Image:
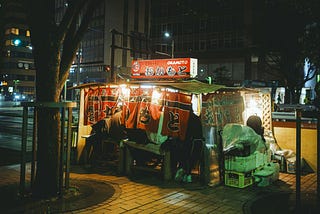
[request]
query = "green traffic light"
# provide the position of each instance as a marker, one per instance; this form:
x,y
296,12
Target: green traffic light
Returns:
x,y
17,42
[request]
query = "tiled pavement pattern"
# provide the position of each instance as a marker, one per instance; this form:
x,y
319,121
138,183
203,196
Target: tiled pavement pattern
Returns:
x,y
147,193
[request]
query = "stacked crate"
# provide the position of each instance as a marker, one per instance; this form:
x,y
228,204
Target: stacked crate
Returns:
x,y
239,170
238,179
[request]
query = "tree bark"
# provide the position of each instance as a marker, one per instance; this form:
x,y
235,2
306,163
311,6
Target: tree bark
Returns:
x,y
48,156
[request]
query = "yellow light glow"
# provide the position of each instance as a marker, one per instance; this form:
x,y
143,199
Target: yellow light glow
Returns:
x,y
156,95
252,108
125,91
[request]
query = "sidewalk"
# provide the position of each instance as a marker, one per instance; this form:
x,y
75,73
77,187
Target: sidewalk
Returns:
x,y
147,193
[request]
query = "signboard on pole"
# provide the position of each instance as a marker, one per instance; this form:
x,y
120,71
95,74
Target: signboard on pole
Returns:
x,y
179,68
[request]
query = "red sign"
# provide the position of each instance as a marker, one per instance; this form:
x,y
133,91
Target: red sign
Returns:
x,y
164,68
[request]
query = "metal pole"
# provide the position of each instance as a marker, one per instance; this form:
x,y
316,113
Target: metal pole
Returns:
x,y
112,54
61,151
172,48
65,91
79,63
23,151
318,155
298,158
67,170
34,145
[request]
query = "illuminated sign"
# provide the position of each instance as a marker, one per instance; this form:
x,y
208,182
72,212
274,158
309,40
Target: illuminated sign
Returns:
x,y
164,68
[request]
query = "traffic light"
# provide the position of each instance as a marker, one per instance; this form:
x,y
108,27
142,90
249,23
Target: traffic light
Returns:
x,y
17,42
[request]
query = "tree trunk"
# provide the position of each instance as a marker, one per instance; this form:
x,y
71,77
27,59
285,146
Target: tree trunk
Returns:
x,y
54,48
48,135
47,174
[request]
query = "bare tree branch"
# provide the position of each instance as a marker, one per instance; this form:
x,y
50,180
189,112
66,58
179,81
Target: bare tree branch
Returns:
x,y
73,8
70,48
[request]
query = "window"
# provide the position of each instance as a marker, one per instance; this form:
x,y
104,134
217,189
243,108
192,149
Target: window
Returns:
x,y
14,31
28,33
202,45
8,42
227,39
214,41
203,25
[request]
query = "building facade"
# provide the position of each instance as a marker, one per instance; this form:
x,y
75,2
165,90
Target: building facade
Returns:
x,y
17,70
217,33
220,34
93,61
105,51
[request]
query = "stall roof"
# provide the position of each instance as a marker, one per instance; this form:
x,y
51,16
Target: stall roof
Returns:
x,y
191,86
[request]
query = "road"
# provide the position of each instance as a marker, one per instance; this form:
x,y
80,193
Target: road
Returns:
x,y
11,125
11,128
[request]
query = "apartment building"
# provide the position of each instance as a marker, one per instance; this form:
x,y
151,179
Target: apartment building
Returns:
x,y
17,70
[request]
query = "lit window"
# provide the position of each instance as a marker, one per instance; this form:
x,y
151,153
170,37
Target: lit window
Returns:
x,y
8,42
27,33
15,31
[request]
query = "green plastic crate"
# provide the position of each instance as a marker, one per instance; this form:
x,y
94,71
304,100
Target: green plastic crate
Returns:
x,y
238,179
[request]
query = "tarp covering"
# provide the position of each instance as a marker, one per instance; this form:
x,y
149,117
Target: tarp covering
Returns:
x,y
237,138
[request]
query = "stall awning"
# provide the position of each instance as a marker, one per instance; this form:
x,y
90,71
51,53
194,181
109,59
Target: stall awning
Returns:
x,y
190,86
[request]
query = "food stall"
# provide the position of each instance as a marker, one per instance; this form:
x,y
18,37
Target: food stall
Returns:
x,y
158,101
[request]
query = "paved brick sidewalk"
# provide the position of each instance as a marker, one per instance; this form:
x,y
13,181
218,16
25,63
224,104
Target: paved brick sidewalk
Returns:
x,y
147,193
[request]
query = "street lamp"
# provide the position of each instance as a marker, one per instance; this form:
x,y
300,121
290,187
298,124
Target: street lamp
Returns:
x,y
168,35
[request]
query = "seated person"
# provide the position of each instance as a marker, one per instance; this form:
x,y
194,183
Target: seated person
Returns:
x,y
255,123
244,140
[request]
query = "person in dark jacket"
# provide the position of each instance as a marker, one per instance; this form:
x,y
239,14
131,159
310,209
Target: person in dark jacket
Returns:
x,y
190,149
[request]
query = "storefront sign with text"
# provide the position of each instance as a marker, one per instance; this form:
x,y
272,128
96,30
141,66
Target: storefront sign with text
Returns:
x,y
164,68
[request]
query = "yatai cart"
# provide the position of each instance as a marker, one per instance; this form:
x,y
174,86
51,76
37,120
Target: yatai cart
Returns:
x,y
160,108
